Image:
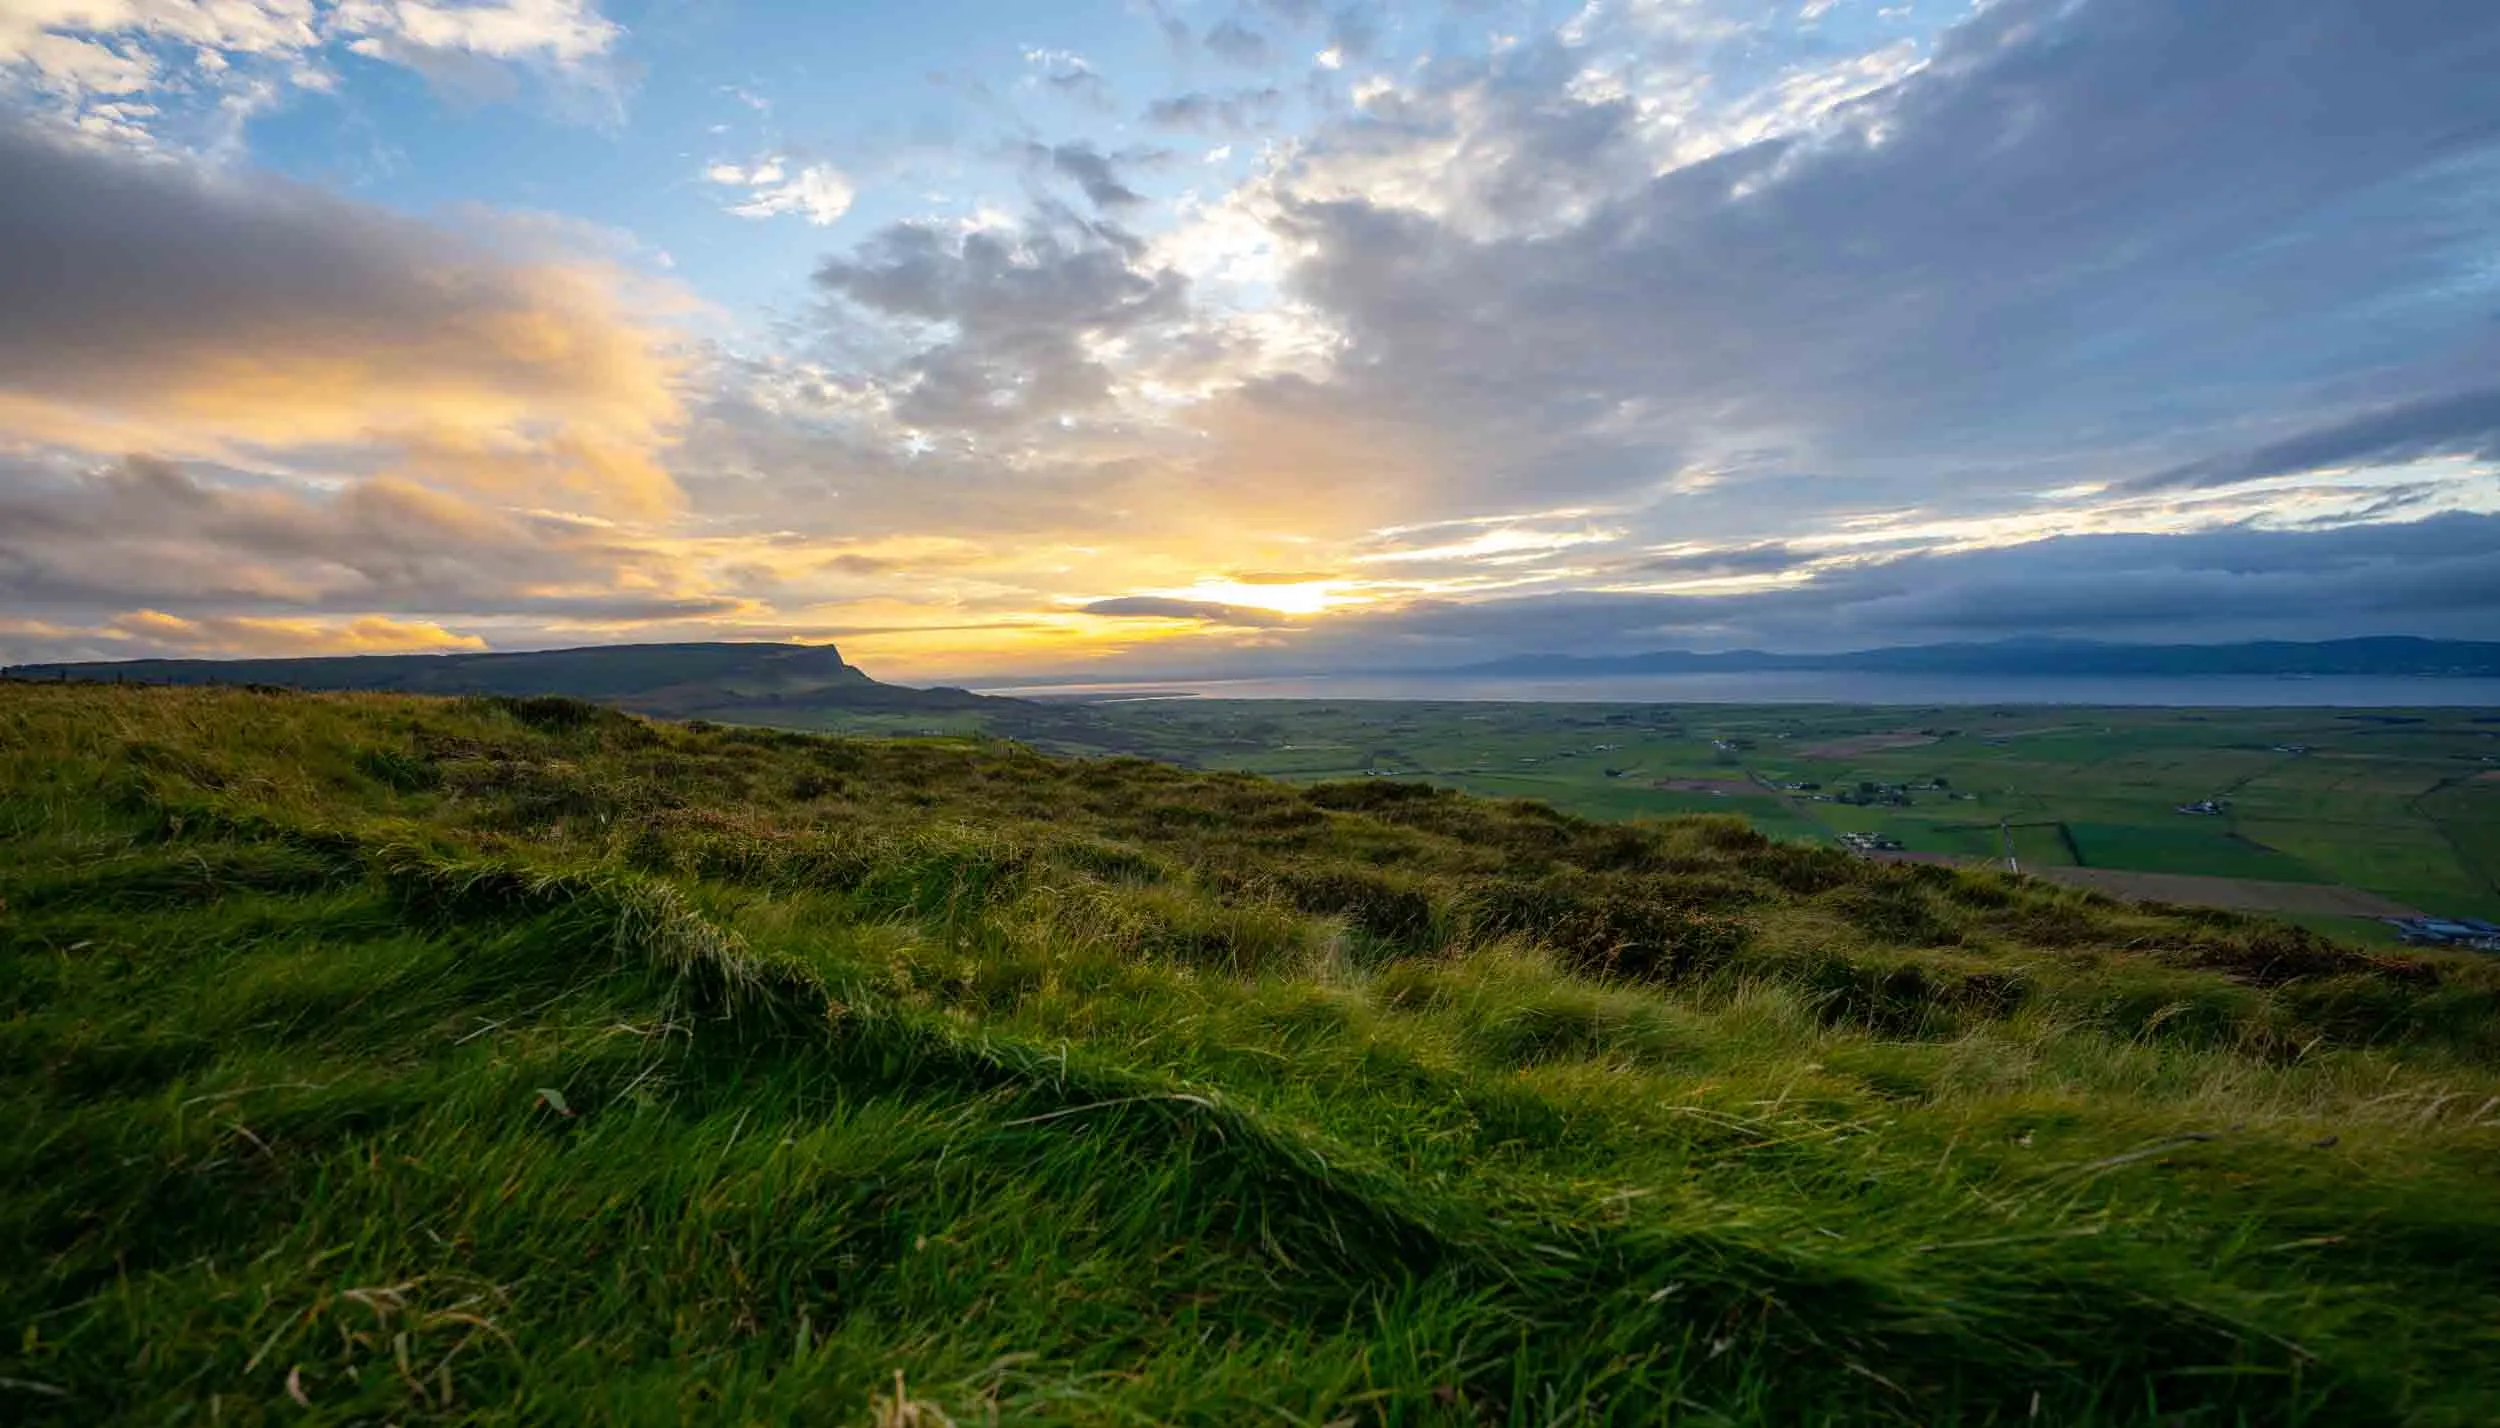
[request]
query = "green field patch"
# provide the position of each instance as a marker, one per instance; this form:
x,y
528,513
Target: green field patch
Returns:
x,y
1959,839
2410,862
2043,845
2161,848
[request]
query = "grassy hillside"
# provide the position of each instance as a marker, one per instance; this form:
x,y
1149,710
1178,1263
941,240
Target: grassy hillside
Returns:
x,y
371,1058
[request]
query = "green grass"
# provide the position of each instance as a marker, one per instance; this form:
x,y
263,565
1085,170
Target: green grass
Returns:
x,y
383,1059
2204,845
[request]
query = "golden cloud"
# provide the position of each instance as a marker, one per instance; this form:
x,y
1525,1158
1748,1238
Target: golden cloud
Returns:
x,y
149,306
257,635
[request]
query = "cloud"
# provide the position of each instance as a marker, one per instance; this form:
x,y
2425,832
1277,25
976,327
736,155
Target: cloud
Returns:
x,y
1090,170
1237,43
2076,236
820,193
1069,75
2437,577
1290,12
1225,112
211,64
557,32
1203,611
1353,32
1015,313
242,635
76,542
146,305
1762,558
300,423
2459,424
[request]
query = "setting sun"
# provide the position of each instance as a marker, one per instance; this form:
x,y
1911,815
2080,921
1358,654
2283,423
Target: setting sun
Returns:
x,y
1309,597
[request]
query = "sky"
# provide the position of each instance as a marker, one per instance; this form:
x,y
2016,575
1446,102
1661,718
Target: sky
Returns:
x,y
1138,337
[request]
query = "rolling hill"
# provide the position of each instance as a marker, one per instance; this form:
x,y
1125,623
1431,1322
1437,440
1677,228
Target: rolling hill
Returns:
x,y
512,1059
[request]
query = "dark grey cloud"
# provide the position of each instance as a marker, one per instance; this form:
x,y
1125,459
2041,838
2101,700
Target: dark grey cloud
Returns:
x,y
2436,577
104,259
1012,311
1091,170
1224,112
1354,31
1178,37
1205,611
1073,78
2458,424
1763,558
2084,235
855,564
1291,12
1229,39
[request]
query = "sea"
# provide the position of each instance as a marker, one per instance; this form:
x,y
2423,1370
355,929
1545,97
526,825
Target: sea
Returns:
x,y
1820,687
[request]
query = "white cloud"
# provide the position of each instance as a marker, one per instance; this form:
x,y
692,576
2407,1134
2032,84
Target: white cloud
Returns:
x,y
209,65
763,171
559,32
819,193
70,65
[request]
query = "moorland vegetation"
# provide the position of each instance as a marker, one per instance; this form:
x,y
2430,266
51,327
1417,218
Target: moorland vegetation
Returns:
x,y
379,1058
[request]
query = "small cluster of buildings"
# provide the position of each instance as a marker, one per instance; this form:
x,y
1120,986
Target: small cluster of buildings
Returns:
x,y
2207,807
1871,842
2470,933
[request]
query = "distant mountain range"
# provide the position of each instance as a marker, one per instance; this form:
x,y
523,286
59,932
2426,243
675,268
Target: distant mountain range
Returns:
x,y
2393,655
717,680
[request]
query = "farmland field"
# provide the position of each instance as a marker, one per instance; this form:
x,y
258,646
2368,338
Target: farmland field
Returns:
x,y
2398,804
